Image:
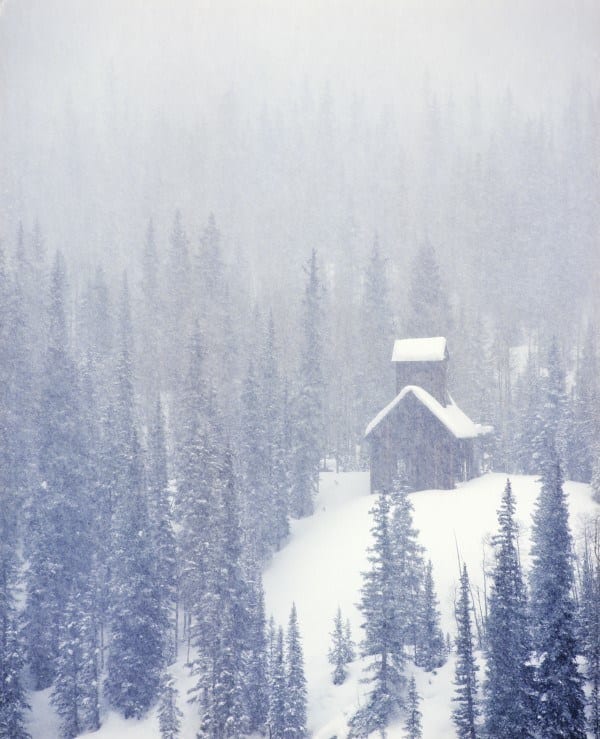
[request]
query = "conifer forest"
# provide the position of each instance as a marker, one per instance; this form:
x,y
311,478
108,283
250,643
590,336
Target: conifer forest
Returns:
x,y
215,220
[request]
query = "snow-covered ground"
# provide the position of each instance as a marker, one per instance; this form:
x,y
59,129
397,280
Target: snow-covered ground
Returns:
x,y
320,568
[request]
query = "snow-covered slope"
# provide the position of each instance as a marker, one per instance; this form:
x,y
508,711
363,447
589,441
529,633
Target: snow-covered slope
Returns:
x,y
320,569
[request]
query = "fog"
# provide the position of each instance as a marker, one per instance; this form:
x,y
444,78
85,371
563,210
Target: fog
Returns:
x,y
109,109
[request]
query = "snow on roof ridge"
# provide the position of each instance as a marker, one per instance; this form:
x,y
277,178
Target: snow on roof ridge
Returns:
x,y
426,349
451,416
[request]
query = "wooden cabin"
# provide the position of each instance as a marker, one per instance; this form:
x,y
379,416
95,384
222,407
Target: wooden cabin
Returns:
x,y
422,437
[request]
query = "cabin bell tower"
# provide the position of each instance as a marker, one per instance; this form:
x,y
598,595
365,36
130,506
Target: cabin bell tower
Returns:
x,y
423,362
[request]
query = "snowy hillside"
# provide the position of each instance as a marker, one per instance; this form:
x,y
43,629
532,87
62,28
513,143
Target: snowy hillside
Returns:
x,y
320,569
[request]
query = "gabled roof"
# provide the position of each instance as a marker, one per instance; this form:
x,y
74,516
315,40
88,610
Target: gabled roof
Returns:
x,y
451,416
432,349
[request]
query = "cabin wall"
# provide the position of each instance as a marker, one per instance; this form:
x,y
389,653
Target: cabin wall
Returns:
x,y
384,459
413,442
431,376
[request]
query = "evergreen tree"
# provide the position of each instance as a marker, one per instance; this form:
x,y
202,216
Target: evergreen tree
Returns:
x,y
255,464
586,410
549,420
560,697
221,629
277,689
295,683
97,372
590,626
528,400
274,404
384,628
413,724
349,646
197,470
376,378
169,713
59,544
466,712
308,410
178,276
137,616
509,709
341,651
13,703
152,333
407,563
431,647
212,267
429,309
89,671
65,694
75,690
595,481
255,677
165,554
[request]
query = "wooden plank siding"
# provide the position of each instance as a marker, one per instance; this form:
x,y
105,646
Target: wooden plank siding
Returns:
x,y
413,444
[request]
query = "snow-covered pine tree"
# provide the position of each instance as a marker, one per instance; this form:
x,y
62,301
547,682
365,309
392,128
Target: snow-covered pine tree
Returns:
x,y
255,668
527,402
550,416
151,328
429,311
595,481
275,415
376,331
590,625
295,682
59,539
568,441
176,297
75,690
25,315
349,645
197,470
98,383
89,669
308,419
384,629
221,628
431,646
169,713
163,536
586,409
466,712
138,622
65,692
407,563
255,467
13,703
560,706
413,725
340,651
509,690
276,718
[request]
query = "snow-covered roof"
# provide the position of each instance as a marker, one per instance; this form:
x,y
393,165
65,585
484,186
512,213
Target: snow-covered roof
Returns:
x,y
451,416
432,349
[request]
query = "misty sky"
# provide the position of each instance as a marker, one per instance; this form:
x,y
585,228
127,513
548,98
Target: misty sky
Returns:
x,y
103,77
183,48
